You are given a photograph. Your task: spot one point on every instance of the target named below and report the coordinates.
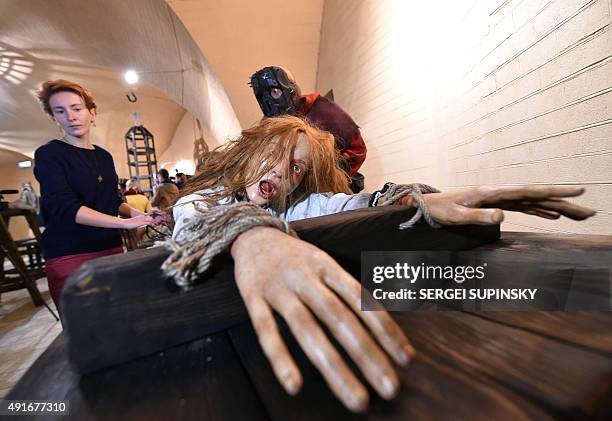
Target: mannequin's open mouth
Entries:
(267, 189)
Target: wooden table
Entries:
(491, 365)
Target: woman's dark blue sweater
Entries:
(68, 178)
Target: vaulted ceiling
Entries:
(94, 42)
(238, 37)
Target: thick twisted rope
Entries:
(209, 234)
(391, 193)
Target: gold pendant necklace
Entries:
(100, 178)
(97, 168)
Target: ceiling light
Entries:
(131, 77)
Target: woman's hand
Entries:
(127, 211)
(137, 221)
(159, 216)
(276, 272)
(465, 206)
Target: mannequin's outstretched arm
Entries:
(486, 205)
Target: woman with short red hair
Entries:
(78, 186)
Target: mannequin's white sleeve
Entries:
(319, 204)
(185, 209)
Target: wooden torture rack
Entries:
(134, 347)
(141, 157)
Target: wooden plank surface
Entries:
(467, 367)
(431, 389)
(199, 380)
(501, 365)
(533, 242)
(567, 380)
(118, 308)
(591, 330)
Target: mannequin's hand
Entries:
(276, 272)
(465, 206)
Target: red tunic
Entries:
(328, 116)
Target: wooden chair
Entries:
(22, 275)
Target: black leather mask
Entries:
(263, 81)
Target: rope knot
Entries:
(392, 192)
(209, 234)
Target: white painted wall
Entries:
(464, 93)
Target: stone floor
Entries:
(25, 332)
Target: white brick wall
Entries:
(463, 93)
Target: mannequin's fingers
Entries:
(350, 333)
(320, 351)
(380, 323)
(500, 193)
(463, 215)
(273, 346)
(565, 208)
